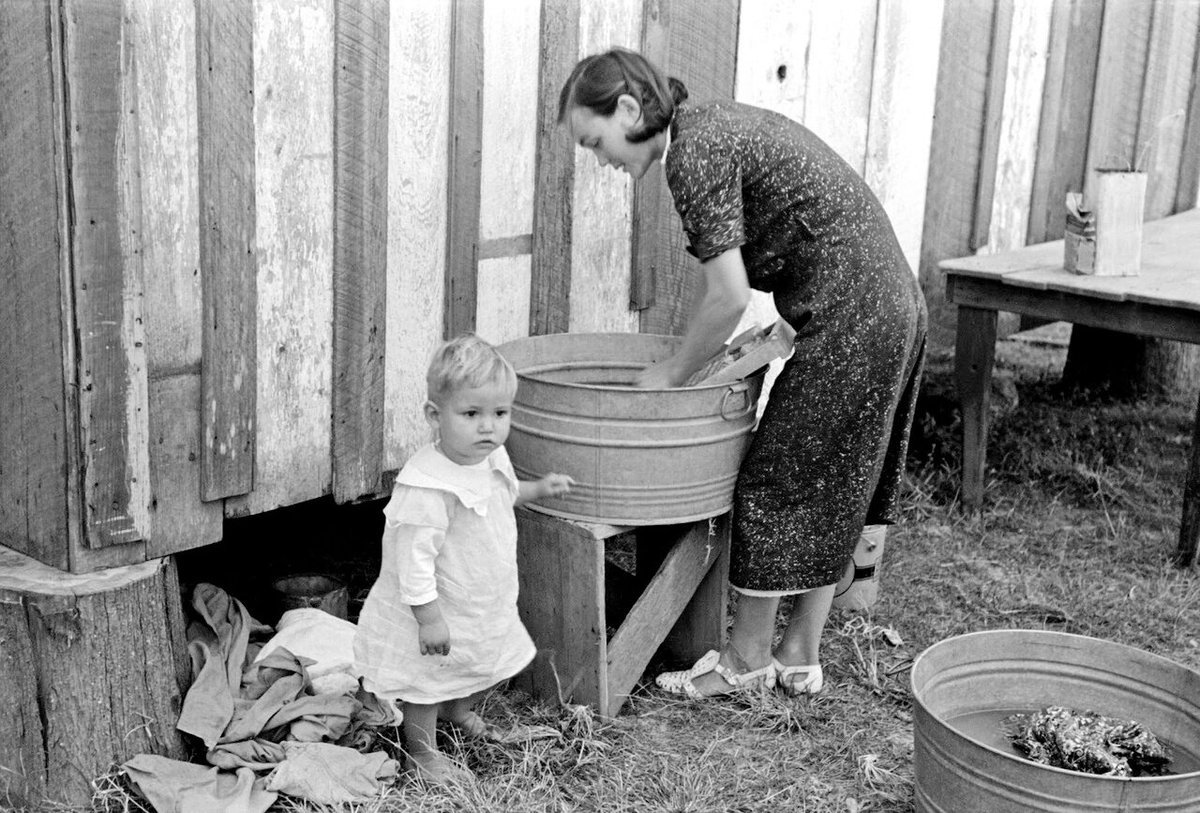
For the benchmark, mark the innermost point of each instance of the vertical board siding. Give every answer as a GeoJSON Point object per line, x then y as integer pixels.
{"type": "Point", "coordinates": [955, 151]}
{"type": "Point", "coordinates": [993, 111]}
{"type": "Point", "coordinates": [466, 145]}
{"type": "Point", "coordinates": [1189, 161]}
{"type": "Point", "coordinates": [360, 246]}
{"type": "Point", "coordinates": [1065, 114]}
{"type": "Point", "coordinates": [602, 207]}
{"type": "Point", "coordinates": [1017, 152]}
{"type": "Point", "coordinates": [36, 416]}
{"type": "Point", "coordinates": [510, 108]}
{"type": "Point", "coordinates": [1120, 77]}
{"type": "Point", "coordinates": [106, 267]}
{"type": "Point", "coordinates": [418, 137]}
{"type": "Point", "coordinates": [1163, 120]}
{"type": "Point", "coordinates": [293, 227]}
{"type": "Point", "coordinates": [901, 125]}
{"type": "Point", "coordinates": [554, 173]}
{"type": "Point", "coordinates": [225, 122]}
{"type": "Point", "coordinates": [164, 52]}
{"type": "Point", "coordinates": [837, 103]}
{"type": "Point", "coordinates": [701, 49]}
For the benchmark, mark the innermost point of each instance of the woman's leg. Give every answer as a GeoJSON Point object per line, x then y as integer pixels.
{"type": "Point", "coordinates": [749, 646]}
{"type": "Point", "coordinates": [801, 644]}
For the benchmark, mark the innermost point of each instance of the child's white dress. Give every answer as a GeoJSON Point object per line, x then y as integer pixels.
{"type": "Point", "coordinates": [449, 534]}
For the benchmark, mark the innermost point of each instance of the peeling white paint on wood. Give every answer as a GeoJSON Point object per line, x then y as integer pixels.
{"type": "Point", "coordinates": [504, 285]}
{"type": "Point", "coordinates": [772, 55]}
{"type": "Point", "coordinates": [293, 117]}
{"type": "Point", "coordinates": [908, 37]}
{"type": "Point", "coordinates": [603, 223]}
{"type": "Point", "coordinates": [418, 130]}
{"type": "Point", "coordinates": [1019, 122]}
{"type": "Point", "coordinates": [838, 98]}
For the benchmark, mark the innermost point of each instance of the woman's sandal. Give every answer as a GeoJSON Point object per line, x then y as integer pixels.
{"type": "Point", "coordinates": [788, 678]}
{"type": "Point", "coordinates": [681, 682]}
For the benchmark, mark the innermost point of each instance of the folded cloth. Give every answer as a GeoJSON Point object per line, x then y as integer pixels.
{"type": "Point", "coordinates": [219, 646]}
{"type": "Point", "coordinates": [329, 774]}
{"type": "Point", "coordinates": [173, 786]}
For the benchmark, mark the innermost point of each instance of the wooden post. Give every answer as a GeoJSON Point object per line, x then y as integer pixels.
{"type": "Point", "coordinates": [974, 353]}
{"type": "Point", "coordinates": [1189, 528]}
{"type": "Point", "coordinates": [91, 673]}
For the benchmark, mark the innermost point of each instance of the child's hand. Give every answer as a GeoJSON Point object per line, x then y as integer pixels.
{"type": "Point", "coordinates": [554, 485]}
{"type": "Point", "coordinates": [434, 637]}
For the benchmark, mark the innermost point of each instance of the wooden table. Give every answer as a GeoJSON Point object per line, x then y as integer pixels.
{"type": "Point", "coordinates": [1163, 302]}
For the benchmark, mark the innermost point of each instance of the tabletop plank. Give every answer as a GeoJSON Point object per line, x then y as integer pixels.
{"type": "Point", "coordinates": [1170, 272]}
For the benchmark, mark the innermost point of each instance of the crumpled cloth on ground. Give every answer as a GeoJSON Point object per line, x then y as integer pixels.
{"type": "Point", "coordinates": [173, 786]}
{"type": "Point", "coordinates": [245, 711]}
{"type": "Point", "coordinates": [327, 640]}
{"type": "Point", "coordinates": [1088, 742]}
{"type": "Point", "coordinates": [330, 774]}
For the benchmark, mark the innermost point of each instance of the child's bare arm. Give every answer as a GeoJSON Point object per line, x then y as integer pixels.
{"type": "Point", "coordinates": [552, 485]}
{"type": "Point", "coordinates": [434, 634]}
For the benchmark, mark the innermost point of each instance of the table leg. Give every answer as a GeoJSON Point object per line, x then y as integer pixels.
{"type": "Point", "coordinates": [974, 354]}
{"type": "Point", "coordinates": [1189, 527]}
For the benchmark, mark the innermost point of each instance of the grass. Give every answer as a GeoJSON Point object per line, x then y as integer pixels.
{"type": "Point", "coordinates": [1081, 516]}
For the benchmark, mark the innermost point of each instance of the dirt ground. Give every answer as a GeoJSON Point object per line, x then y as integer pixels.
{"type": "Point", "coordinates": [1080, 519]}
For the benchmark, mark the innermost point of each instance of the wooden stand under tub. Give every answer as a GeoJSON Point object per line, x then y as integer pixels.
{"type": "Point", "coordinates": [679, 582]}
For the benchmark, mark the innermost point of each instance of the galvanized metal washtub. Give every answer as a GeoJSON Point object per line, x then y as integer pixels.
{"type": "Point", "coordinates": [1005, 671]}
{"type": "Point", "coordinates": [638, 457]}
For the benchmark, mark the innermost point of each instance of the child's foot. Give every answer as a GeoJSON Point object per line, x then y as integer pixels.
{"type": "Point", "coordinates": [435, 768]}
{"type": "Point", "coordinates": [472, 726]}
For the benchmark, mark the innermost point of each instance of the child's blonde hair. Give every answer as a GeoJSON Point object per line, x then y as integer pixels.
{"type": "Point", "coordinates": [466, 361]}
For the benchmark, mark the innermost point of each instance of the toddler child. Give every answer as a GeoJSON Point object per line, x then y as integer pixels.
{"type": "Point", "coordinates": [440, 625]}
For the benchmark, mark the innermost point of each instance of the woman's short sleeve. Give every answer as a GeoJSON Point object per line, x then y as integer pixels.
{"type": "Point", "coordinates": [706, 184]}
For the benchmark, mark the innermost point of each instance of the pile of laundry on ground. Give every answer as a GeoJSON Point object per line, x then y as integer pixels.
{"type": "Point", "coordinates": [286, 716]}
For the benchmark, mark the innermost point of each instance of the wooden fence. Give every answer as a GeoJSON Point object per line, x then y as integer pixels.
{"type": "Point", "coordinates": [234, 230]}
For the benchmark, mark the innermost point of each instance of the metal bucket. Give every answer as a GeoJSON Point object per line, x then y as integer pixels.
{"type": "Point", "coordinates": [638, 457]}
{"type": "Point", "coordinates": [961, 766]}
{"type": "Point", "coordinates": [312, 590]}
{"type": "Point", "coordinates": [858, 589]}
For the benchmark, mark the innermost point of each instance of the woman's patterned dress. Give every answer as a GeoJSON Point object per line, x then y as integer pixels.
{"type": "Point", "coordinates": [828, 454]}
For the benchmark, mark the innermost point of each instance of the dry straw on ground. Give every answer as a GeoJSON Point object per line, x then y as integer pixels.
{"type": "Point", "coordinates": [1081, 515]}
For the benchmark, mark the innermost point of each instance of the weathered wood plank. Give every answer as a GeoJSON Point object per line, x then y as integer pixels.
{"type": "Point", "coordinates": [1066, 108]}
{"type": "Point", "coordinates": [601, 234]}
{"type": "Point", "coordinates": [1162, 123]}
{"type": "Point", "coordinates": [503, 286]}
{"type": "Point", "coordinates": [509, 135]}
{"type": "Point", "coordinates": [360, 245]}
{"type": "Point", "coordinates": [973, 356]}
{"type": "Point", "coordinates": [554, 167]}
{"type": "Point", "coordinates": [37, 408]}
{"type": "Point", "coordinates": [702, 45]}
{"type": "Point", "coordinates": [418, 96]}
{"type": "Point", "coordinates": [106, 269]}
{"type": "Point", "coordinates": [838, 73]}
{"type": "Point", "coordinates": [955, 150]}
{"type": "Point", "coordinates": [1187, 551]}
{"type": "Point", "coordinates": [656, 610]}
{"type": "Point", "coordinates": [1189, 161]}
{"type": "Point", "coordinates": [1120, 76]}
{"type": "Point", "coordinates": [1017, 154]}
{"type": "Point", "coordinates": [902, 100]}
{"type": "Point", "coordinates": [466, 145]}
{"type": "Point", "coordinates": [993, 117]}
{"type": "Point", "coordinates": [164, 53]}
{"type": "Point", "coordinates": [226, 169]}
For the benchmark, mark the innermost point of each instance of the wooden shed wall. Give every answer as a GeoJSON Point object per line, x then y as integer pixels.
{"type": "Point", "coordinates": [235, 229]}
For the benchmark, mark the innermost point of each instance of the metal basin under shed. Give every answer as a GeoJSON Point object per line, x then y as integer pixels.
{"type": "Point", "coordinates": [638, 457]}
{"type": "Point", "coordinates": [964, 686]}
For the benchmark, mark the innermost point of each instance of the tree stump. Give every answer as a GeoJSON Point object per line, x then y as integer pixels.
{"type": "Point", "coordinates": [92, 671]}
